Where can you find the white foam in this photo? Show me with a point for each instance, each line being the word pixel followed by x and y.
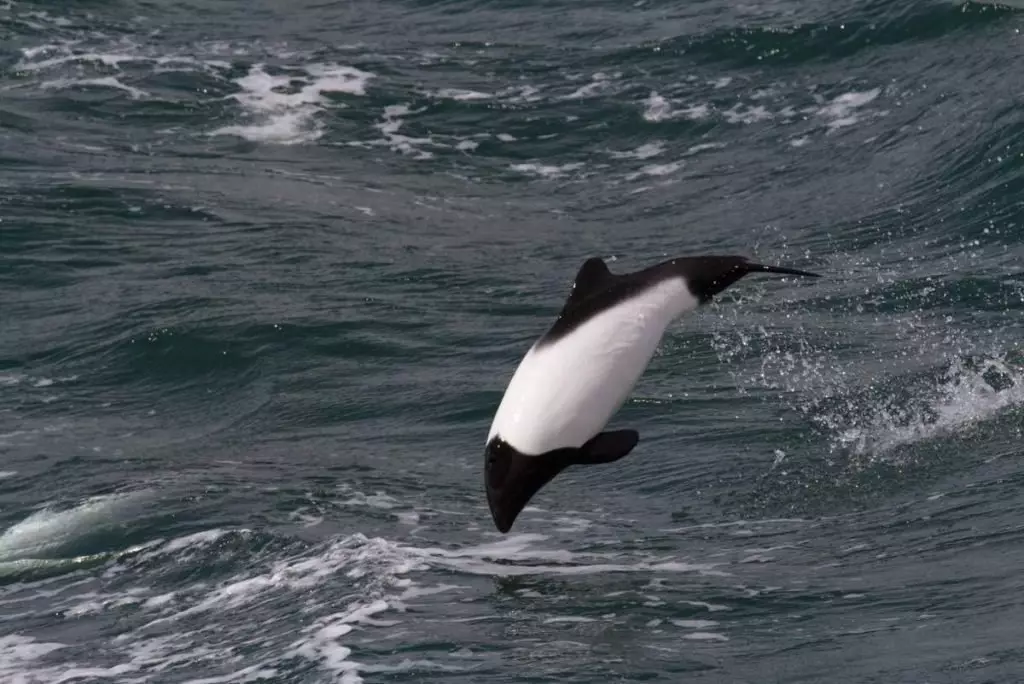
pixel 15 647
pixel 519 549
pixel 67 55
pixel 372 568
pixel 334 78
pixel 706 636
pixel 694 624
pixel 546 170
pixel 196 629
pixel 174 63
pixel 710 607
pixel 408 517
pixel 76 63
pixel 571 524
pixel 376 500
pixel 703 147
pixel 158 601
pixel 407 665
pixel 749 115
pixel 18 656
pixel 645 151
pixel 103 82
pixel 865 405
pixel 696 112
pixel 289 118
pixel 599 81
pixel 656 170
pixel 323 645
pixel 5 437
pixel 195 540
pixel 461 95
pixel 658 109
pixel 37 20
pixel 253 673
pixel 390 125
pixel 94 603
pixel 745 524
pixel 306 519
pixel 840 111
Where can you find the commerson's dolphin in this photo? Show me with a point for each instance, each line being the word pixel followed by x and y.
pixel 580 372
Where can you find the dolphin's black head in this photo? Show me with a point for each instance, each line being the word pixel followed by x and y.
pixel 707 276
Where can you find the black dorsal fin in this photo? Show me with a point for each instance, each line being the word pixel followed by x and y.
pixel 592 277
pixel 592 280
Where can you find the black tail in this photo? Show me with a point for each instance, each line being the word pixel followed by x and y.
pixel 512 478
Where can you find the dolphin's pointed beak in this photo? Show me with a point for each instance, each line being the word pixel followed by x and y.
pixel 762 268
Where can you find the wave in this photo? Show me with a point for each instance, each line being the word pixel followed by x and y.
pixel 357 595
pixel 877 25
pixel 54 541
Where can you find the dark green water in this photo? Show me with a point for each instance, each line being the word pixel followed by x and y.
pixel 266 267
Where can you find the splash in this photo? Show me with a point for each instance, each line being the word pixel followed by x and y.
pixel 969 392
pixel 870 408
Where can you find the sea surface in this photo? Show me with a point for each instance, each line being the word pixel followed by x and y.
pixel 266 268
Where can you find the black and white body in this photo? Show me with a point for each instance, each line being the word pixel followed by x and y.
pixel 580 372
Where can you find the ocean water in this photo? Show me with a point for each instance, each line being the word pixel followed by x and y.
pixel 266 267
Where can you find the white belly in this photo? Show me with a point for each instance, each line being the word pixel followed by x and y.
pixel 564 393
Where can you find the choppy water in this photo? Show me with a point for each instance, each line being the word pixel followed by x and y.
pixel 266 267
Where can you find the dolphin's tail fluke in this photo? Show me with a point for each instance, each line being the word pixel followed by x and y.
pixel 512 478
